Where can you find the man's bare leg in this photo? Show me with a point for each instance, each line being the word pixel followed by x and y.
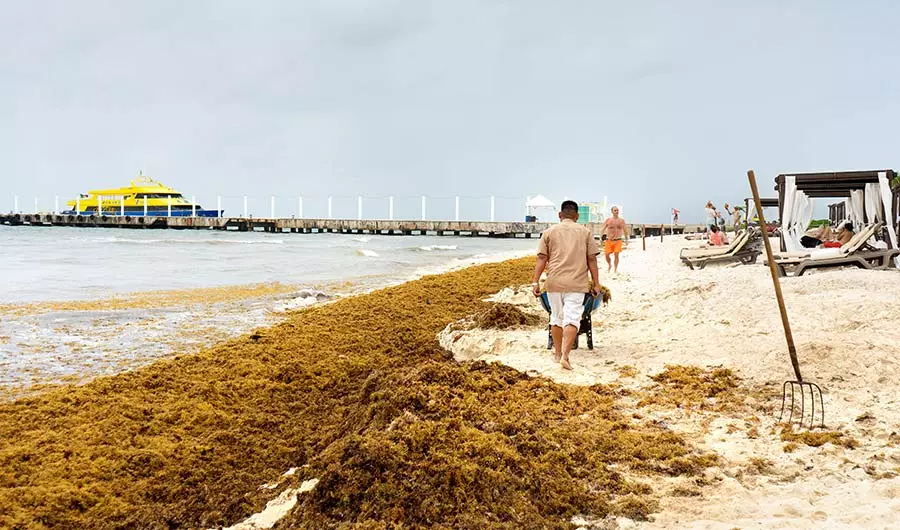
pixel 569 335
pixel 557 333
pixel 616 266
pixel 608 263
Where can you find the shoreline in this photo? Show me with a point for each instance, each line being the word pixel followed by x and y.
pixel 51 343
pixel 189 440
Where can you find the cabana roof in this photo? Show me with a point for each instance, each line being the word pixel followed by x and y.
pixel 832 183
pixel 767 202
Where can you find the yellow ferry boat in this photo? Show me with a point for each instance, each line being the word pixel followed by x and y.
pixel 144 196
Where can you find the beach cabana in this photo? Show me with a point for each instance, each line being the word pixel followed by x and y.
pixel 867 198
pixel 750 207
pixel 540 208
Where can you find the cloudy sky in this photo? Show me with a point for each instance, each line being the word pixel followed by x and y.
pixel 653 104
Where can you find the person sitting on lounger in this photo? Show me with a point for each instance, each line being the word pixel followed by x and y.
pixel 817 236
pixel 844 235
pixel 716 237
pixel 824 237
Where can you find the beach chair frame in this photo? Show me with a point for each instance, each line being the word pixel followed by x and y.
pixel 746 251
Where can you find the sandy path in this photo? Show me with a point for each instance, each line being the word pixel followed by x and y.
pixel 844 324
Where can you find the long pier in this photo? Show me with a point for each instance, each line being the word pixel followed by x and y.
pixel 314 226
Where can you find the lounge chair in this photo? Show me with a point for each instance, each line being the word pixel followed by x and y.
pixel 744 248
pixel 584 328
pixel 857 252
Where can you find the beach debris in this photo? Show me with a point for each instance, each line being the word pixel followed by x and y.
pixel 187 442
pixel 694 387
pixel 505 316
pixel 818 438
pixel 805 388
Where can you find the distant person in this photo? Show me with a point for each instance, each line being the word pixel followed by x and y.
pixel 568 252
pixel 614 230
pixel 716 237
pixel 720 220
pixel 738 218
pixel 727 208
pixel 710 215
pixel 675 213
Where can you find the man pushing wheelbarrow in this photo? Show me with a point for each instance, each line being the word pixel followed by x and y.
pixel 568 253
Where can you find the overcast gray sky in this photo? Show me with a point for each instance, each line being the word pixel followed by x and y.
pixel 654 104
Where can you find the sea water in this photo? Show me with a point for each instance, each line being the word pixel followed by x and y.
pixel 61 263
pixel 39 265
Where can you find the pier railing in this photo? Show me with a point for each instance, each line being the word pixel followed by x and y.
pixel 359 207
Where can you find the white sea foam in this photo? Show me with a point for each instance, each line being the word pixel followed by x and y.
pixel 173 241
pixel 367 253
pixel 362 239
pixel 430 248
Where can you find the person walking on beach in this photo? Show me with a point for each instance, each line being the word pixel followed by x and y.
pixel 614 228
pixel 738 218
pixel 710 216
pixel 568 253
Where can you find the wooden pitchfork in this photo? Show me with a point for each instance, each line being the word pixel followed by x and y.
pixel 805 387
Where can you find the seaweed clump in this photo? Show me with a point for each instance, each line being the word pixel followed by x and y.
pixel 694 387
pixel 505 316
pixel 485 446
pixel 359 392
pixel 816 438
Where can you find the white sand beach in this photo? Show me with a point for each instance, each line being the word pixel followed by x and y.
pixel 845 327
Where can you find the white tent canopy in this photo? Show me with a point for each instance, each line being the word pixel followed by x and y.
pixel 542 208
pixel 539 201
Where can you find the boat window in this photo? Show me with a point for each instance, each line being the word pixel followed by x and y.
pixel 158 195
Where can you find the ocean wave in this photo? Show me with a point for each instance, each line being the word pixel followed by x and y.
pixel 362 239
pixel 126 240
pixel 430 248
pixel 367 253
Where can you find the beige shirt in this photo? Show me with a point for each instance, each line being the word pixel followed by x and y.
pixel 568 246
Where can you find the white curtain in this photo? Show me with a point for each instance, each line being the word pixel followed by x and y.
pixel 873 203
pixel 886 200
pixel 787 216
pixel 855 213
pixel 802 213
pixel 798 210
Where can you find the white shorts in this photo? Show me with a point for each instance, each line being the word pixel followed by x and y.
pixel 566 309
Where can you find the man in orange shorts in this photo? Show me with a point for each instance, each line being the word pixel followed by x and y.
pixel 614 227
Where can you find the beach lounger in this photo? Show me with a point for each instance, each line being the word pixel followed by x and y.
pixel 744 249
pixel 586 325
pixel 703 252
pixel 856 252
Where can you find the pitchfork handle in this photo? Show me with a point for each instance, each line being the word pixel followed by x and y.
pixel 765 237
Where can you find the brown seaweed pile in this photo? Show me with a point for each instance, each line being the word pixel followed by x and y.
pixel 816 438
pixel 360 392
pixel 694 387
pixel 505 316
